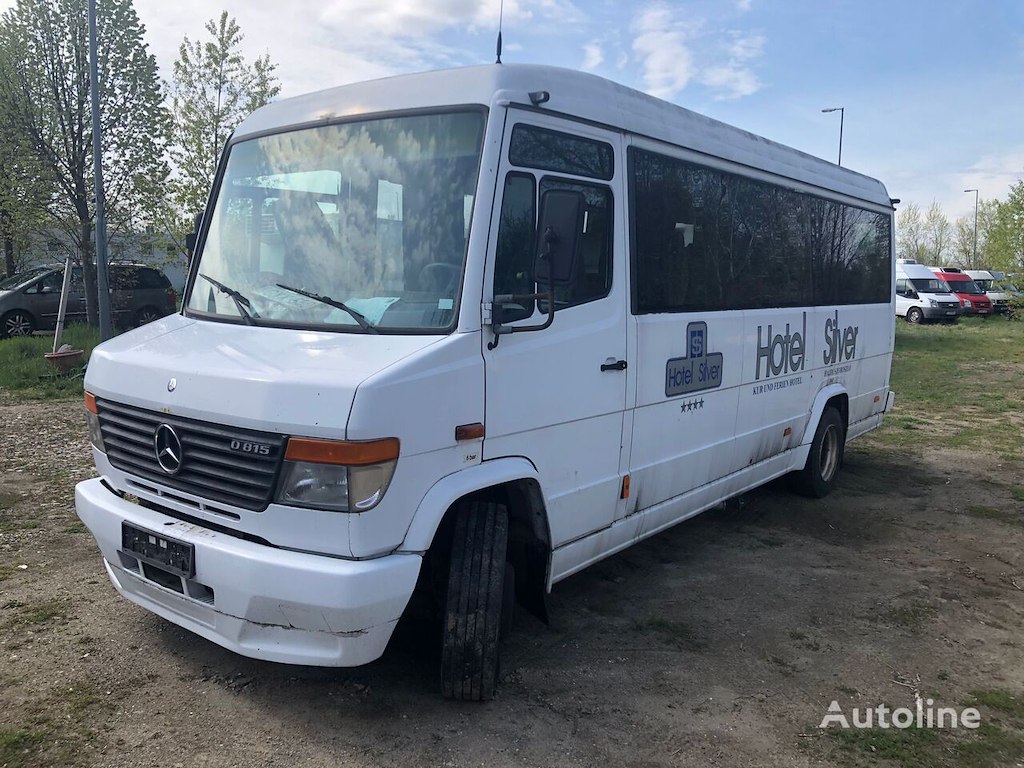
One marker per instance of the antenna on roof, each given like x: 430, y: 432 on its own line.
x: 501, y: 14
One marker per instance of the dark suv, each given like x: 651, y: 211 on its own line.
x: 29, y: 300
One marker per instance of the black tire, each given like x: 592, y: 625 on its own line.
x: 473, y: 603
x: 17, y: 322
x: 915, y: 315
x: 147, y: 315
x: 818, y: 476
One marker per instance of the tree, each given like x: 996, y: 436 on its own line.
x: 45, y: 85
x: 213, y: 90
x: 24, y: 189
x: 964, y: 253
x: 910, y: 233
x: 1006, y: 237
x: 936, y: 234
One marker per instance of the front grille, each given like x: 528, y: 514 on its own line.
x: 219, y: 463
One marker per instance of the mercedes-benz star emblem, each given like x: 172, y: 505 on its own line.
x: 171, y: 385
x: 168, y: 449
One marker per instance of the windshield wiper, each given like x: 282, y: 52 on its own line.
x: 365, y: 324
x: 245, y: 308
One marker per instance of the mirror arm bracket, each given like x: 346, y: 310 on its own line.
x: 500, y: 330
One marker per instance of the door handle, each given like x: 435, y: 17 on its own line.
x: 614, y: 365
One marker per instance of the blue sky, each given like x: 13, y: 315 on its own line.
x: 933, y: 89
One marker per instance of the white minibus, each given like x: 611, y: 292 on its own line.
x: 466, y: 333
x: 991, y: 284
x: 921, y: 295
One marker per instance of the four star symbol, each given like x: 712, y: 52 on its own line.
x: 692, y: 405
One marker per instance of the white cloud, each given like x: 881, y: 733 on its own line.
x: 744, y: 5
x: 660, y: 42
x: 593, y: 56
x: 674, y: 52
x: 735, y: 78
x: 993, y: 174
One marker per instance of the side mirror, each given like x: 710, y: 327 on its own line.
x: 558, y: 236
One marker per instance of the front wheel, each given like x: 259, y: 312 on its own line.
x: 818, y: 476
x: 17, y: 322
x: 915, y: 315
x: 474, y: 602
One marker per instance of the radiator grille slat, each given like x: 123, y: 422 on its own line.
x: 210, y: 467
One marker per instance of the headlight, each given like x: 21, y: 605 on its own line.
x: 933, y: 303
x: 967, y: 303
x: 92, y: 420
x: 336, y: 475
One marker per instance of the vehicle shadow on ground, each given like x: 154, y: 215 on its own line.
x: 770, y: 518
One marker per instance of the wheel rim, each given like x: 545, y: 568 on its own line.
x: 914, y: 316
x: 828, y: 456
x: 18, y: 325
x: 147, y: 316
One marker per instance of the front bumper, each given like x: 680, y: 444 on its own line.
x: 940, y: 313
x: 257, y: 600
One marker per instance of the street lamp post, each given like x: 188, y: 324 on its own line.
x: 842, y: 118
x: 974, y: 257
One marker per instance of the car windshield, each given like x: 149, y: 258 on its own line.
x: 966, y: 286
x: 20, y: 278
x: 985, y: 285
x: 923, y: 285
x: 358, y: 227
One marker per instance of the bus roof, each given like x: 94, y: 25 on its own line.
x: 573, y: 94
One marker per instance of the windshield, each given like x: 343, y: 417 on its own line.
x: 966, y: 286
x: 357, y: 227
x: 924, y: 285
x: 19, y: 279
x: 985, y: 285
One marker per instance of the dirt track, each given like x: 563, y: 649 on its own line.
x: 720, y: 642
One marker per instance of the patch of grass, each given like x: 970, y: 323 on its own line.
x: 911, y: 617
x: 1017, y: 493
x: 991, y: 745
x: 74, y: 528
x: 18, y: 747
x: 991, y: 513
x: 974, y: 366
x: 25, y: 373
x: 39, y: 613
x: 906, y: 747
x: 1002, y: 701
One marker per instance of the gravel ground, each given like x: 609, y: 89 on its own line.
x: 720, y: 642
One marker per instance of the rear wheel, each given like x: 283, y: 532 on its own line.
x: 915, y: 315
x: 17, y: 322
x: 474, y: 602
x: 818, y: 476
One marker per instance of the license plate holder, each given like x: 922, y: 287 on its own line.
x: 178, y: 557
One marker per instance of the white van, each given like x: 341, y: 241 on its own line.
x: 991, y: 284
x: 472, y: 331
x: 921, y: 295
